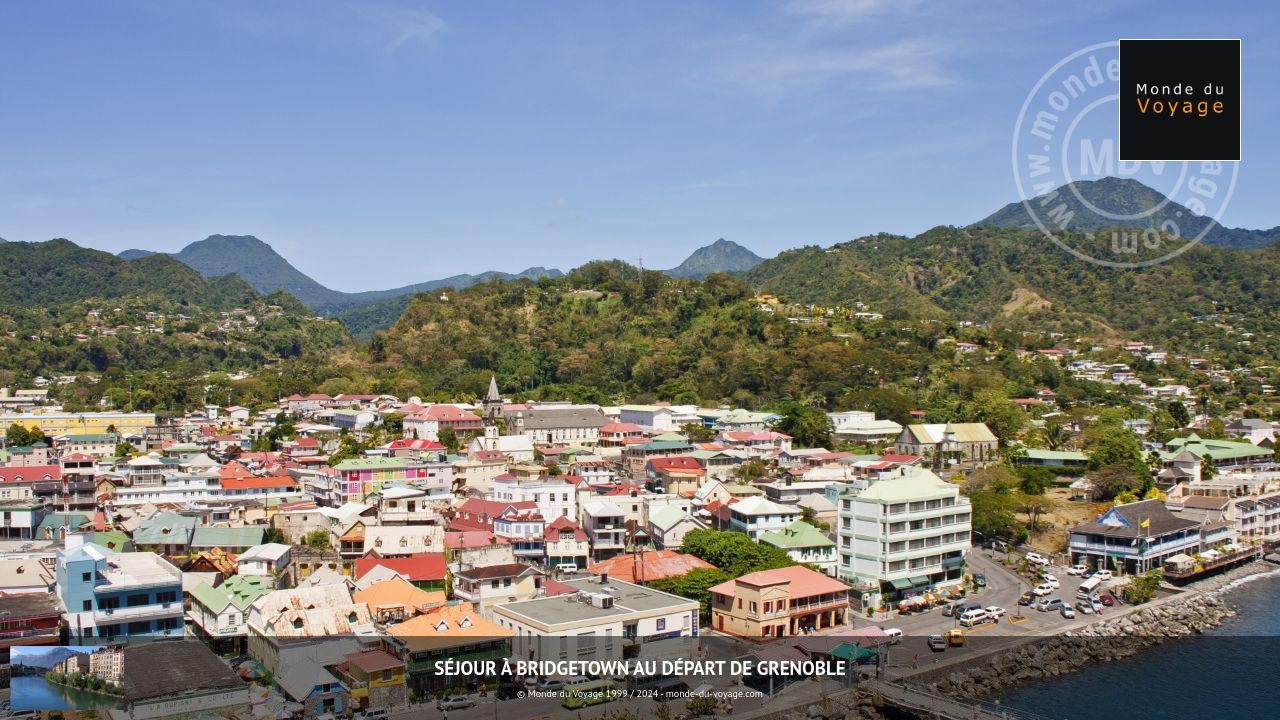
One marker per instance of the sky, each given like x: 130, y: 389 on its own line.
x: 377, y: 143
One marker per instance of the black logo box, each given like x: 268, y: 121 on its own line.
x: 1180, y: 66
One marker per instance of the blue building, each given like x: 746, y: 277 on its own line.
x: 112, y: 596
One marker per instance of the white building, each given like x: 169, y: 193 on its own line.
x: 598, y: 620
x: 555, y: 496
x: 908, y: 531
x: 757, y: 515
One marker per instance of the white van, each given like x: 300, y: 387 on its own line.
x: 895, y: 635
x: 974, y: 617
x: 1088, y: 586
x: 566, y: 568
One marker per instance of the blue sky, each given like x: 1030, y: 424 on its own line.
x: 382, y: 142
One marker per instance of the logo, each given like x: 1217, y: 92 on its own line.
x: 1082, y: 196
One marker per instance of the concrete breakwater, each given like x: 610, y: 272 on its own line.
x: 1104, y: 641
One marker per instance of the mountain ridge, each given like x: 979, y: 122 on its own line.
x: 720, y: 256
x: 1128, y: 197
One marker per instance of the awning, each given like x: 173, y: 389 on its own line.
x: 952, y: 562
x: 901, y: 584
x: 853, y: 653
x: 920, y: 580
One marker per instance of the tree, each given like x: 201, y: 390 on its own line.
x: 733, y: 552
x: 1116, y: 445
x: 693, y: 585
x: 751, y: 471
x: 1178, y: 413
x: 697, y: 432
x: 273, y: 534
x: 318, y: 539
x: 993, y: 503
x: 808, y: 426
x: 1035, y: 480
x: 393, y: 424
x: 348, y: 447
x: 1056, y: 435
x: 1001, y: 415
x: 1142, y: 588
x: 449, y: 438
x: 1113, y: 480
x: 18, y: 436
x: 124, y: 450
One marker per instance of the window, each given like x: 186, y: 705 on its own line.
x: 662, y: 622
x: 88, y: 605
x: 86, y: 577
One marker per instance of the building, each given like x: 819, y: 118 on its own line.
x: 965, y: 442
x: 320, y: 624
x: 566, y: 543
x: 29, y: 619
x: 601, y: 618
x: 862, y: 427
x: 425, y: 571
x: 647, y: 566
x: 117, y: 595
x: 375, y: 678
x: 605, y: 524
x: 452, y: 632
x: 555, y: 496
x: 395, y: 599
x: 669, y: 524
x: 221, y: 613
x: 517, y: 448
x: 107, y: 663
x: 779, y: 603
x: 559, y: 425
x: 269, y: 559
x: 488, y: 586
x: 1133, y: 538
x: 93, y: 444
x: 360, y: 477
x: 805, y: 544
x: 91, y: 423
x: 756, y: 516
x: 186, y: 680
x: 907, y: 533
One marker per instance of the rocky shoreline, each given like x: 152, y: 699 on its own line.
x: 1200, y: 607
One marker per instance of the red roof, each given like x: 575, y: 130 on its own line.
x: 477, y: 507
x: 76, y: 457
x: 900, y: 459
x: 31, y: 473
x: 450, y: 413
x: 414, y: 444
x: 562, y: 524
x: 648, y: 566
x: 234, y: 470
x: 374, y: 661
x: 680, y: 462
x: 802, y: 582
x: 620, y: 428
x: 258, y: 483
x: 461, y: 540
x: 424, y: 566
x: 306, y: 442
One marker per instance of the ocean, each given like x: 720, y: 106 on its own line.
x: 1229, y: 672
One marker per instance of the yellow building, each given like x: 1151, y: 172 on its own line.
x: 376, y: 679
x: 90, y: 423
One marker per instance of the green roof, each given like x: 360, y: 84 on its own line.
x: 113, y: 540
x: 852, y: 652
x: 90, y: 437
x: 664, y: 445
x: 380, y: 463
x: 798, y: 534
x: 912, y: 484
x: 1218, y: 449
x: 671, y: 437
x: 237, y: 590
x: 53, y: 522
x: 165, y: 528
x: 208, y: 537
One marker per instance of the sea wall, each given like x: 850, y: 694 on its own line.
x: 1103, y: 641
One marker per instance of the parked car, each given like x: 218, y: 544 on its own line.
x: 454, y: 702
x: 1085, y: 606
x: 995, y: 611
x: 1096, y: 604
x: 1077, y: 570
x: 1107, y: 599
x: 1104, y: 574
x: 895, y: 635
x: 1088, y: 573
x: 979, y: 580
x: 1043, y: 589
x: 1051, y: 580
x: 937, y: 643
x: 1050, y: 604
x: 1027, y: 598
x: 551, y: 685
x: 1067, y: 611
x: 371, y: 714
x: 977, y: 616
x: 1037, y: 559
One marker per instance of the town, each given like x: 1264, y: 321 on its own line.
x: 325, y: 555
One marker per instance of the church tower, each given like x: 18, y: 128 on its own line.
x: 492, y: 402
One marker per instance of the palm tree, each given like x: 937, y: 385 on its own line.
x: 1056, y: 435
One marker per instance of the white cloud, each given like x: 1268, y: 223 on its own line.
x: 845, y: 10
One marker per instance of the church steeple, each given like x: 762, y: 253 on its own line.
x: 492, y: 401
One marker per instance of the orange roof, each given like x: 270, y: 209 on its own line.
x: 803, y: 582
x: 253, y: 482
x: 398, y: 592
x: 448, y: 626
x: 649, y: 566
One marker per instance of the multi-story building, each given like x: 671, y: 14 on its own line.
x: 601, y: 618
x: 221, y: 613
x: 452, y: 632
x: 959, y: 442
x: 117, y: 595
x: 361, y: 477
x: 805, y: 544
x: 1133, y: 538
x: 908, y: 533
x: 91, y: 423
x: 560, y: 426
x: 756, y: 516
x: 779, y: 603
x: 566, y: 544
x: 92, y: 444
x: 29, y: 619
x: 605, y: 524
x: 555, y: 496
x: 493, y: 584
x: 106, y: 663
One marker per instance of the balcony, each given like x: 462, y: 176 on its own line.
x: 140, y: 612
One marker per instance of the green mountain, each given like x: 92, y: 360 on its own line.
x: 993, y: 274
x: 134, y: 254
x: 720, y: 256
x: 1127, y: 197
x: 267, y: 271
x: 59, y: 272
